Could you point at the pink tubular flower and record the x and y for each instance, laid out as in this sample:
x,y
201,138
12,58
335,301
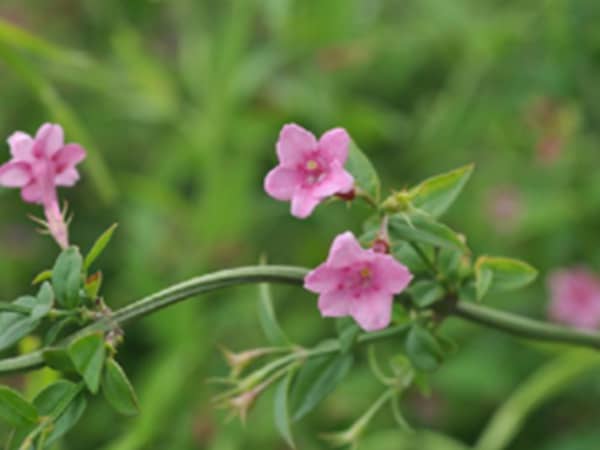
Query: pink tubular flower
x,y
39,164
575,298
358,282
309,170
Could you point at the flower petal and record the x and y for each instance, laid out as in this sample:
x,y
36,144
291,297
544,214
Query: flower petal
x,y
345,250
337,181
67,177
21,145
49,139
68,156
334,304
32,193
293,144
303,203
15,174
373,312
393,276
281,182
335,144
322,279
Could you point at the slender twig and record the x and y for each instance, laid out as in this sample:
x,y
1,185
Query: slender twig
x,y
504,321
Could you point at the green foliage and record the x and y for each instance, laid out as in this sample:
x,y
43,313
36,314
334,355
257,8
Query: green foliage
x,y
317,379
366,178
268,318
422,349
14,409
436,194
66,277
117,389
501,274
422,229
88,353
281,409
99,246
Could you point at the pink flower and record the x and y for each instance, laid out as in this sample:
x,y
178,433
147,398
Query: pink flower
x,y
575,298
38,166
358,282
309,170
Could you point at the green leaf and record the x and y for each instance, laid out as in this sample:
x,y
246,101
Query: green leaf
x,y
99,246
58,358
483,281
57,328
45,301
426,292
54,399
422,229
268,319
502,274
42,276
436,194
423,349
117,389
66,277
282,411
348,331
68,419
14,326
87,354
324,383
15,410
93,284
64,402
365,175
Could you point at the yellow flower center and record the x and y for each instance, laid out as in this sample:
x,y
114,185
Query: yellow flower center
x,y
365,273
311,164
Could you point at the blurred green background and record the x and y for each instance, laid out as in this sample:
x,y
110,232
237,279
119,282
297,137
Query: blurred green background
x,y
179,104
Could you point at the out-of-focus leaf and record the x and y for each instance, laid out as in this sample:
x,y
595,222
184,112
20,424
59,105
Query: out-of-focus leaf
x,y
436,194
268,318
14,409
426,292
14,326
497,274
99,246
66,277
117,389
422,349
59,359
324,383
64,403
87,354
93,284
281,409
365,175
421,229
348,331
42,276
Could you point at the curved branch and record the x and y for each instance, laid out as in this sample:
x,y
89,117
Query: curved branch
x,y
503,321
523,326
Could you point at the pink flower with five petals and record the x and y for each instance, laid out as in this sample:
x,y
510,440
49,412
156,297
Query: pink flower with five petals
x,y
309,170
575,298
39,164
357,282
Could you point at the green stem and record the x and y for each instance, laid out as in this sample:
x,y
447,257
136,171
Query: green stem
x,y
539,387
295,275
524,327
14,308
